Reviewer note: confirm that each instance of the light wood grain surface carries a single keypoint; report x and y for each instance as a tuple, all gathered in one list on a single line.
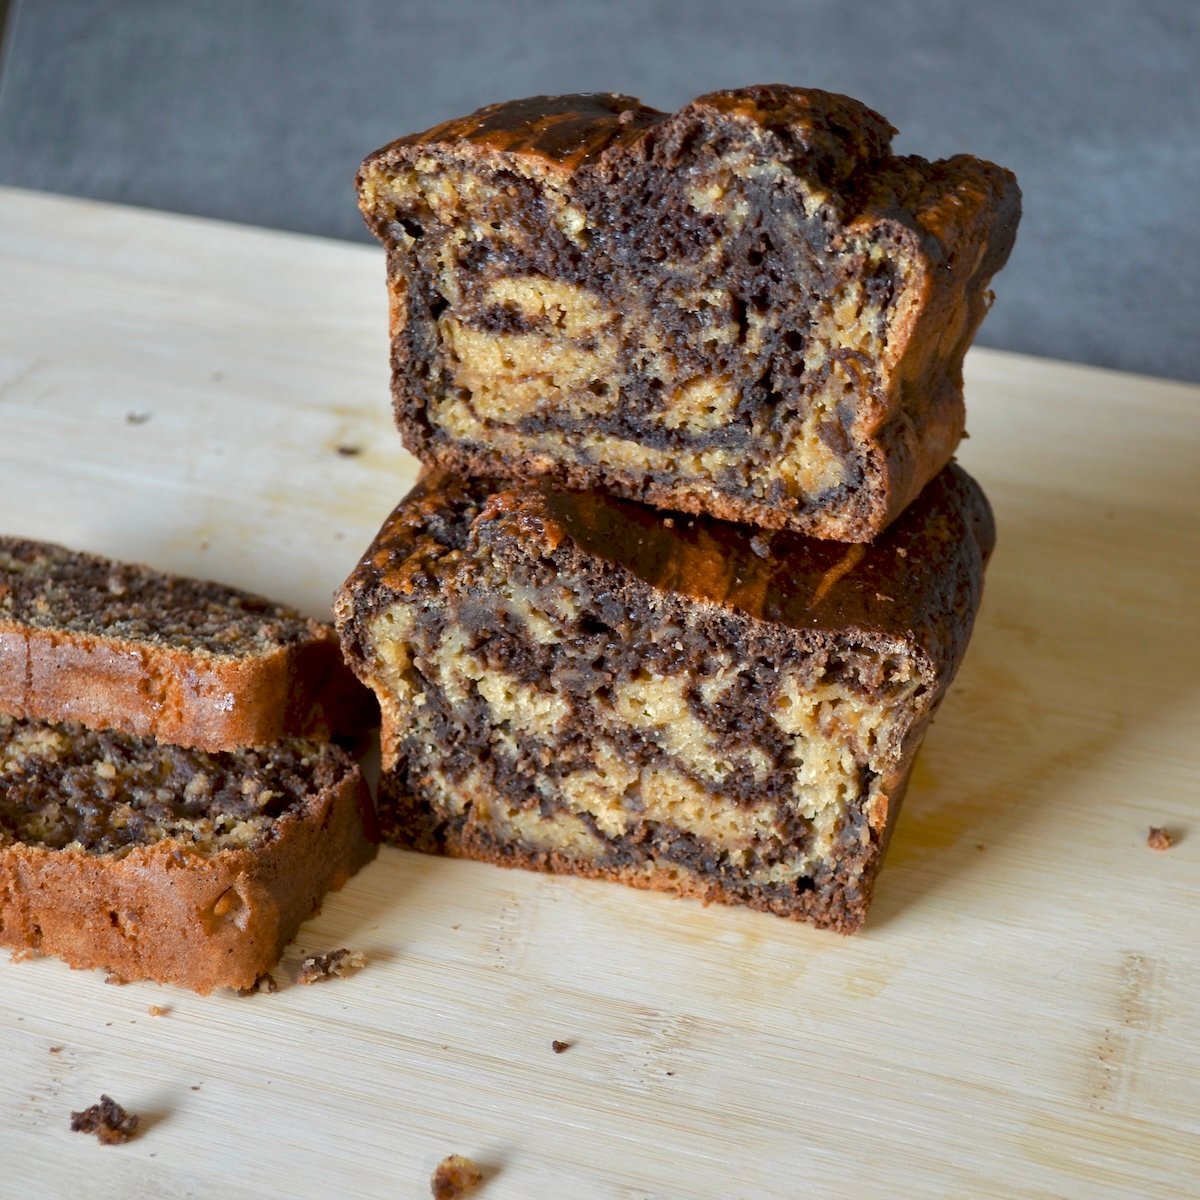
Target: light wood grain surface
[(1021, 1015)]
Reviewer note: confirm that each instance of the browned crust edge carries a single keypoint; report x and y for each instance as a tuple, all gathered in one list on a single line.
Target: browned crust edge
[(169, 914), (920, 583), (185, 699)]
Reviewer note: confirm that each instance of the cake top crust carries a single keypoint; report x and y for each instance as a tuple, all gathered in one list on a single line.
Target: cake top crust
[(919, 583), (568, 130), (836, 133)]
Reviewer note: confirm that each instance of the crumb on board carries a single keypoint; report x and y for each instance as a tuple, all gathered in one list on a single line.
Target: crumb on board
[(337, 964), (114, 980), (264, 983), (454, 1176), (349, 451), (56, 1049), (136, 418), (111, 1124), (1159, 839), (558, 1047), (157, 1010)]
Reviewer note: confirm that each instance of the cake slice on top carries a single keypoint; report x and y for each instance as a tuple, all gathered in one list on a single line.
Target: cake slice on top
[(749, 308)]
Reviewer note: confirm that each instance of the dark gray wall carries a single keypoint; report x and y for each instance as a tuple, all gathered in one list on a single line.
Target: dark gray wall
[(259, 111)]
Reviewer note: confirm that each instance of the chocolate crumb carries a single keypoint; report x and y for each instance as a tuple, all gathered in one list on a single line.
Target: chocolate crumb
[(107, 1120), (195, 1087), (136, 418), (56, 1049), (454, 1176), (157, 1010), (558, 1047), (349, 451), (337, 964), (1159, 839), (264, 983)]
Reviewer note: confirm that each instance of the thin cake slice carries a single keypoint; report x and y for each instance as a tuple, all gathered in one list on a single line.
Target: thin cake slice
[(167, 863), (121, 646), (577, 683), (749, 308)]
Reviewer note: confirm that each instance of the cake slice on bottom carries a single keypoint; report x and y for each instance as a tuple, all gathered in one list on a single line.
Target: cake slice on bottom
[(577, 683), (172, 864)]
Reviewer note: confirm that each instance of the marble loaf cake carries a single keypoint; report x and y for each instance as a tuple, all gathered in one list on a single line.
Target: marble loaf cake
[(578, 683), (749, 308), (122, 646), (169, 863)]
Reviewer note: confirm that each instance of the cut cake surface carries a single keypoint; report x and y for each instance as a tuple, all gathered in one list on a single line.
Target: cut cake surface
[(169, 863), (578, 683), (122, 646), (749, 308)]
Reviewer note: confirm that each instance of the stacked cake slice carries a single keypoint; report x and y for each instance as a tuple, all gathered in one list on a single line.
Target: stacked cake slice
[(752, 317), (170, 805)]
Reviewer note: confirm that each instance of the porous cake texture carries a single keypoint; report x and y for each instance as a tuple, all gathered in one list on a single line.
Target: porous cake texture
[(168, 863), (578, 683), (749, 308)]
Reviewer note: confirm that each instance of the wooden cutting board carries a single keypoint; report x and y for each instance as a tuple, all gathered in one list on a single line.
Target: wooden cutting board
[(1021, 1015)]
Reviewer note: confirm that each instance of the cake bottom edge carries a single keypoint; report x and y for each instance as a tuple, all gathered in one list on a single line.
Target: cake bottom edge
[(836, 898)]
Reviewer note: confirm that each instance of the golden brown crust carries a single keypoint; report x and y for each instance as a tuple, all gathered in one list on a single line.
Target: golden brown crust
[(186, 699), (54, 666), (567, 132), (564, 131), (169, 914)]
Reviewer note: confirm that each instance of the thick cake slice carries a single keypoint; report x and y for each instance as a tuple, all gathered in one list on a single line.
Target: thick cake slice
[(749, 308), (166, 863), (578, 683), (120, 646)]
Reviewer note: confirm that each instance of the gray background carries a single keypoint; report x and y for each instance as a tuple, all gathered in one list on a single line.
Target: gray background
[(259, 111)]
